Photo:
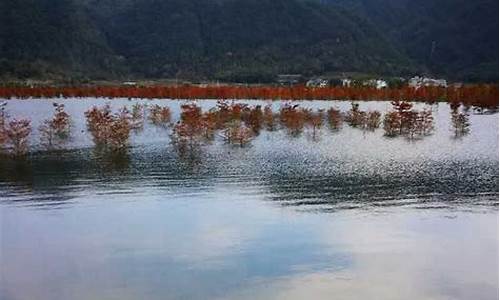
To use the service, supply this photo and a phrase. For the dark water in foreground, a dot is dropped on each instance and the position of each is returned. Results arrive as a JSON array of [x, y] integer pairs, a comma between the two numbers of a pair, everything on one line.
[[351, 216]]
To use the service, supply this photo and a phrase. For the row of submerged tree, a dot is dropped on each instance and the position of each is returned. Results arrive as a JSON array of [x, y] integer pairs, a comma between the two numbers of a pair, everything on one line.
[[235, 123], [481, 95]]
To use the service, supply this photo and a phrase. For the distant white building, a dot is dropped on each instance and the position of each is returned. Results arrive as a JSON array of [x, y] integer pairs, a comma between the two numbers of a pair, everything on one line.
[[418, 81], [346, 82], [317, 82], [381, 84], [376, 83], [131, 83]]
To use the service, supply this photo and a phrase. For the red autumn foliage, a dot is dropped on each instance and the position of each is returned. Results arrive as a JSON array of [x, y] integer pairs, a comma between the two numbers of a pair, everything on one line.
[[404, 120], [369, 120], [355, 117], [228, 112], [253, 118], [3, 121], [237, 133], [269, 118], [372, 120], [314, 120], [159, 115], [17, 132], [109, 131], [334, 118], [292, 118], [56, 131], [482, 95], [190, 130], [392, 124]]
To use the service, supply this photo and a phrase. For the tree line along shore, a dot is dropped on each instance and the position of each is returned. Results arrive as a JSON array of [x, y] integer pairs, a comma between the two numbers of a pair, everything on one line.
[[480, 95]]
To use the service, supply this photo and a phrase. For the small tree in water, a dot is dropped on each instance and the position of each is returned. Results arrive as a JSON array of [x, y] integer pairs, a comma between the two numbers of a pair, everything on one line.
[[269, 118], [355, 117], [137, 116], [209, 125], [160, 115], [404, 120], [109, 131], [56, 131], [334, 118], [424, 123], [17, 132], [237, 133], [404, 110], [120, 130], [14, 133], [253, 118], [392, 124], [98, 124], [188, 133], [292, 118], [360, 119], [3, 121], [372, 120], [314, 120], [459, 121]]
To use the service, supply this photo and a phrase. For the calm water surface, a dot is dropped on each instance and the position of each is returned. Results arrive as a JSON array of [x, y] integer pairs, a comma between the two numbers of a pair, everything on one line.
[[353, 215]]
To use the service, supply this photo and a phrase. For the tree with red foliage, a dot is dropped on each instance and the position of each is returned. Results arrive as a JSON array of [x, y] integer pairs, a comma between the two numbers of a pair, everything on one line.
[[3, 120], [17, 132], [334, 118], [269, 118], [189, 131], [109, 131], [355, 117], [292, 118], [237, 133], [314, 120], [253, 118], [56, 131], [159, 115]]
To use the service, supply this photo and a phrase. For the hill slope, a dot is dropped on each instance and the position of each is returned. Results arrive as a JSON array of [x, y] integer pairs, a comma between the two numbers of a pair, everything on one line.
[[247, 40], [51, 38], [456, 38]]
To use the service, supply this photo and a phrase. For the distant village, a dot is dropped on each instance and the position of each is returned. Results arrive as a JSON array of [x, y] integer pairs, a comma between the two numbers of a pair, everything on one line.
[[319, 82], [323, 82], [281, 80]]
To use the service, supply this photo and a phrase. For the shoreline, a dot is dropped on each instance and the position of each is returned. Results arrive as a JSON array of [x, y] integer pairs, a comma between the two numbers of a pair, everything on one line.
[[483, 95]]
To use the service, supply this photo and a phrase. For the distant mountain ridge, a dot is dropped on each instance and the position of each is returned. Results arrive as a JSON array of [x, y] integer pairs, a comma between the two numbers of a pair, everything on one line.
[[456, 38], [247, 40]]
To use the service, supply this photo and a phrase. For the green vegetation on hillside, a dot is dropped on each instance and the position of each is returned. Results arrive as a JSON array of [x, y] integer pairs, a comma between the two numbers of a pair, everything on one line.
[[247, 40]]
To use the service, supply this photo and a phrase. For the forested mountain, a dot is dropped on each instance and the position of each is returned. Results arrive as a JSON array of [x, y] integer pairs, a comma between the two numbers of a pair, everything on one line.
[[456, 38], [247, 40], [55, 38]]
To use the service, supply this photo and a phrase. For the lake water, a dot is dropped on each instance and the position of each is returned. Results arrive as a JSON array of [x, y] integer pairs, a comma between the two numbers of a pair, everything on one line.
[[351, 215]]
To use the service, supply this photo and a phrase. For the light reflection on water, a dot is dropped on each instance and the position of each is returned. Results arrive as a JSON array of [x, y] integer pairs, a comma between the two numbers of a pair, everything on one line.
[[353, 215], [290, 179]]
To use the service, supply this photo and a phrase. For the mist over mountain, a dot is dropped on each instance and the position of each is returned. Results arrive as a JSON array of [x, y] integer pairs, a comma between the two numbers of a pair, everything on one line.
[[247, 40]]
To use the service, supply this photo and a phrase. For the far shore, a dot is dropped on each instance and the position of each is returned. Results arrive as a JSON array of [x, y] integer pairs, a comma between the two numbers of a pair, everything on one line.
[[481, 95]]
